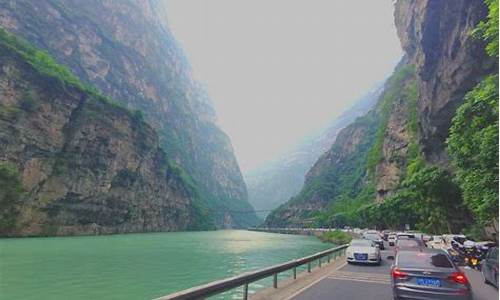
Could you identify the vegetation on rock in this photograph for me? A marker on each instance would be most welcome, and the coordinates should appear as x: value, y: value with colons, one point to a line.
x: 336, y: 237
x: 473, y: 140
x: 10, y: 196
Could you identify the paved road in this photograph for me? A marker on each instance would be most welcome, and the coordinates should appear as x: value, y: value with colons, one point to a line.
x: 353, y: 282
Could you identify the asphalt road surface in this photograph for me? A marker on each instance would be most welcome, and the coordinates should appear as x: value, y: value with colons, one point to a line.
x: 355, y: 282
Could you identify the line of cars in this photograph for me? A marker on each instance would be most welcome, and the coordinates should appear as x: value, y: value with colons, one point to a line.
x: 418, y: 271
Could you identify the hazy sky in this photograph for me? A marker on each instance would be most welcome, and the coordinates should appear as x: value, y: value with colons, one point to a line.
x: 277, y: 70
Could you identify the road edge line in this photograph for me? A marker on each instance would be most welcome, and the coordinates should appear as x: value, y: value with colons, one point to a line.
x: 314, y: 282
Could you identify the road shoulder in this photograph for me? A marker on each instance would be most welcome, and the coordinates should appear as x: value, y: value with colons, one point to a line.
x: 289, y: 288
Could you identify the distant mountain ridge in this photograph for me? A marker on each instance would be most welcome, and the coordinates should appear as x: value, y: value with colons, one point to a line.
x: 274, y: 183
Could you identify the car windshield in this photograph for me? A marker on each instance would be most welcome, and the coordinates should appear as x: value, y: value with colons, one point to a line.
x: 361, y: 243
x: 409, y: 243
x: 423, y: 260
x: 371, y: 236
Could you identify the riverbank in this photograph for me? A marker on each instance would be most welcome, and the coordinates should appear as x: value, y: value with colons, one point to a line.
x: 326, y: 235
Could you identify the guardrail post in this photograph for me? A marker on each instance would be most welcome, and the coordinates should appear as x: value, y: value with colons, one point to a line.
x: 308, y: 267
x: 275, y: 280
x: 319, y: 262
x: 245, y: 291
x: 294, y: 273
x: 328, y: 259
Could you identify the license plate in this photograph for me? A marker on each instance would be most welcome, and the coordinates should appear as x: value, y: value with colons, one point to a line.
x: 360, y: 256
x: 429, y: 282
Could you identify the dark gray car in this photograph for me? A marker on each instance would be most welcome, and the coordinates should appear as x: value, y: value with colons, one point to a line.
x: 428, y: 274
x: 489, y: 267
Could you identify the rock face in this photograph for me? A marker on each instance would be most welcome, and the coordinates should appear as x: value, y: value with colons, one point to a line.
x: 87, y: 166
x: 125, y: 49
x: 339, y: 169
x: 449, y: 61
x: 273, y: 184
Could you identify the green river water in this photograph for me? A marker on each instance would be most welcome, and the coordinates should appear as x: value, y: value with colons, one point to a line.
x: 139, y: 266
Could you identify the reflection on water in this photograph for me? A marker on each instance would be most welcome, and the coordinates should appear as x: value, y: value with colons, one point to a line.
x: 139, y: 266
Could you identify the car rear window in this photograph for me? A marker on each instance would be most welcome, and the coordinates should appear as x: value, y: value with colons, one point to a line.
x: 371, y: 236
x: 360, y: 243
x: 406, y: 236
x: 423, y: 260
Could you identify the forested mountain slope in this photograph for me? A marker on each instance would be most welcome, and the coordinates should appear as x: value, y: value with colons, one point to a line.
x: 74, y: 162
x: 125, y: 49
x: 423, y: 165
x: 274, y: 183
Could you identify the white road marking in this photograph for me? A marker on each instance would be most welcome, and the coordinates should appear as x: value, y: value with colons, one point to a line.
x: 361, y: 280
x: 314, y: 282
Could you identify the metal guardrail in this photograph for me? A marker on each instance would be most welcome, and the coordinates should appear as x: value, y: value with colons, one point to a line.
x: 220, y: 286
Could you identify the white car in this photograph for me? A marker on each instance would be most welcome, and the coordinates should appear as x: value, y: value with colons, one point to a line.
x: 363, y: 251
x: 391, y: 239
x: 436, y: 242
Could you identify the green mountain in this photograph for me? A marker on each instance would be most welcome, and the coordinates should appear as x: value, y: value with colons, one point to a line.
x: 73, y: 161
x: 125, y: 50
x: 411, y: 170
x: 274, y: 183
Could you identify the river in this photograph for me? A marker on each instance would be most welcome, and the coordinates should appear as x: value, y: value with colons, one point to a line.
x: 139, y: 266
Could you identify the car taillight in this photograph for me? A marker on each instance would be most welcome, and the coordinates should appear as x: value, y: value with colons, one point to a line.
x: 397, y: 274
x: 459, y: 277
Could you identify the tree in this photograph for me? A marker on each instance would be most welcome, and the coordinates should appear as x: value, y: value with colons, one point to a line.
x: 436, y: 200
x: 473, y: 147
x: 473, y: 141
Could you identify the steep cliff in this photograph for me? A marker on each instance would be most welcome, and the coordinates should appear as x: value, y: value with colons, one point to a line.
x: 443, y: 61
x: 344, y: 171
x: 86, y: 165
x: 273, y: 184
x: 449, y: 61
x: 125, y: 49
x: 437, y: 39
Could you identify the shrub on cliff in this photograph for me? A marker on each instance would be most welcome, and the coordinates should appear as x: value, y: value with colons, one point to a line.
x: 10, y: 195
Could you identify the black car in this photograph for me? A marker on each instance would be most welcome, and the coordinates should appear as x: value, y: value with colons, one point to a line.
x: 489, y: 267
x: 375, y: 237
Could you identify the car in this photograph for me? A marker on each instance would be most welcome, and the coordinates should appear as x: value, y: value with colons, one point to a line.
x: 375, y: 237
x: 426, y: 238
x: 401, y: 236
x: 385, y: 234
x: 408, y: 245
x: 489, y: 267
x: 428, y: 274
x: 363, y: 251
x: 391, y: 239
x: 436, y: 242
x: 416, y: 234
